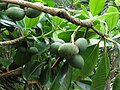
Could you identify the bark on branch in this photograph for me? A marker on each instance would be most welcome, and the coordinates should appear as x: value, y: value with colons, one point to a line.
x: 15, y: 72
x: 53, y: 11
x: 12, y: 41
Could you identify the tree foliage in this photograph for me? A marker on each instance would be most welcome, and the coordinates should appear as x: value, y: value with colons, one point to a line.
x: 39, y: 47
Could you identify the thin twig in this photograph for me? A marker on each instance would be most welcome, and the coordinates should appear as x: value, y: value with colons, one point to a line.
x: 59, y: 59
x: 15, y: 72
x: 86, y: 32
x: 74, y: 34
x: 12, y: 41
x: 99, y: 33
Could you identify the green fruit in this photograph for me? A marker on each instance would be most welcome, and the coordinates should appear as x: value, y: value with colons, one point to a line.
x: 76, y: 61
x: 67, y: 50
x: 60, y: 40
x: 3, y: 5
x: 54, y: 47
x: 32, y: 13
x: 22, y: 49
x: 81, y: 44
x: 15, y: 13
x: 33, y: 50
x: 12, y: 5
x: 116, y: 85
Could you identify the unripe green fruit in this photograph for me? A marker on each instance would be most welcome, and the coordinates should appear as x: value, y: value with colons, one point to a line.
x: 67, y: 50
x: 33, y: 50
x: 3, y: 5
x: 15, y: 13
x: 54, y: 47
x: 76, y: 61
x: 60, y: 40
x: 81, y: 44
x: 32, y: 13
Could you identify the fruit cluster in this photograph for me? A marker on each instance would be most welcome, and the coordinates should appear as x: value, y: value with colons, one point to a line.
x: 17, y: 12
x: 24, y: 55
x: 70, y: 51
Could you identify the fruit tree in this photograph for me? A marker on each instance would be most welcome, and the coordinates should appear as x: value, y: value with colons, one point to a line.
x: 59, y: 45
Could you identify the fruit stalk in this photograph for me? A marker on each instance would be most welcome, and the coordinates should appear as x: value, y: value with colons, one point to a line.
x: 74, y: 34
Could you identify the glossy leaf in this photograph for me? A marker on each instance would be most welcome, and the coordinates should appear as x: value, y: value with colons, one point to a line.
x: 66, y: 35
x: 30, y: 22
x: 30, y: 69
x: 49, y: 2
x: 96, y: 6
x: 85, y: 10
x: 90, y: 57
x: 63, y: 79
x: 106, y: 15
x: 112, y: 20
x: 83, y: 86
x: 99, y: 80
x: 7, y: 23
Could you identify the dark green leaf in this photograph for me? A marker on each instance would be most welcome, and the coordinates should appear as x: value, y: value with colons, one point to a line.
x: 63, y: 79
x: 90, y: 57
x: 66, y: 35
x: 5, y: 62
x: 99, y: 80
x: 30, y: 69
x: 116, y: 85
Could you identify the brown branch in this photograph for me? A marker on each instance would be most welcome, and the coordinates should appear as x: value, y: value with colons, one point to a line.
x: 12, y: 41
x: 53, y: 11
x: 99, y: 33
x: 86, y: 32
x: 15, y: 72
x: 59, y: 59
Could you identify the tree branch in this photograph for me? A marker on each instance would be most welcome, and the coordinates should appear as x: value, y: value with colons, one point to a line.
x: 12, y: 41
x: 53, y: 11
x: 15, y: 72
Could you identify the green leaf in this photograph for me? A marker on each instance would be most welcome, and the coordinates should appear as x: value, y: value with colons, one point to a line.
x: 117, y: 2
x: 30, y: 69
x: 31, y: 22
x: 75, y: 74
x: 66, y: 35
x: 116, y: 85
x: 99, y: 80
x: 49, y: 2
x: 85, y: 10
x: 96, y: 6
x: 63, y: 79
x: 5, y: 62
x: 106, y: 15
x: 113, y: 19
x: 7, y: 23
x: 90, y: 57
